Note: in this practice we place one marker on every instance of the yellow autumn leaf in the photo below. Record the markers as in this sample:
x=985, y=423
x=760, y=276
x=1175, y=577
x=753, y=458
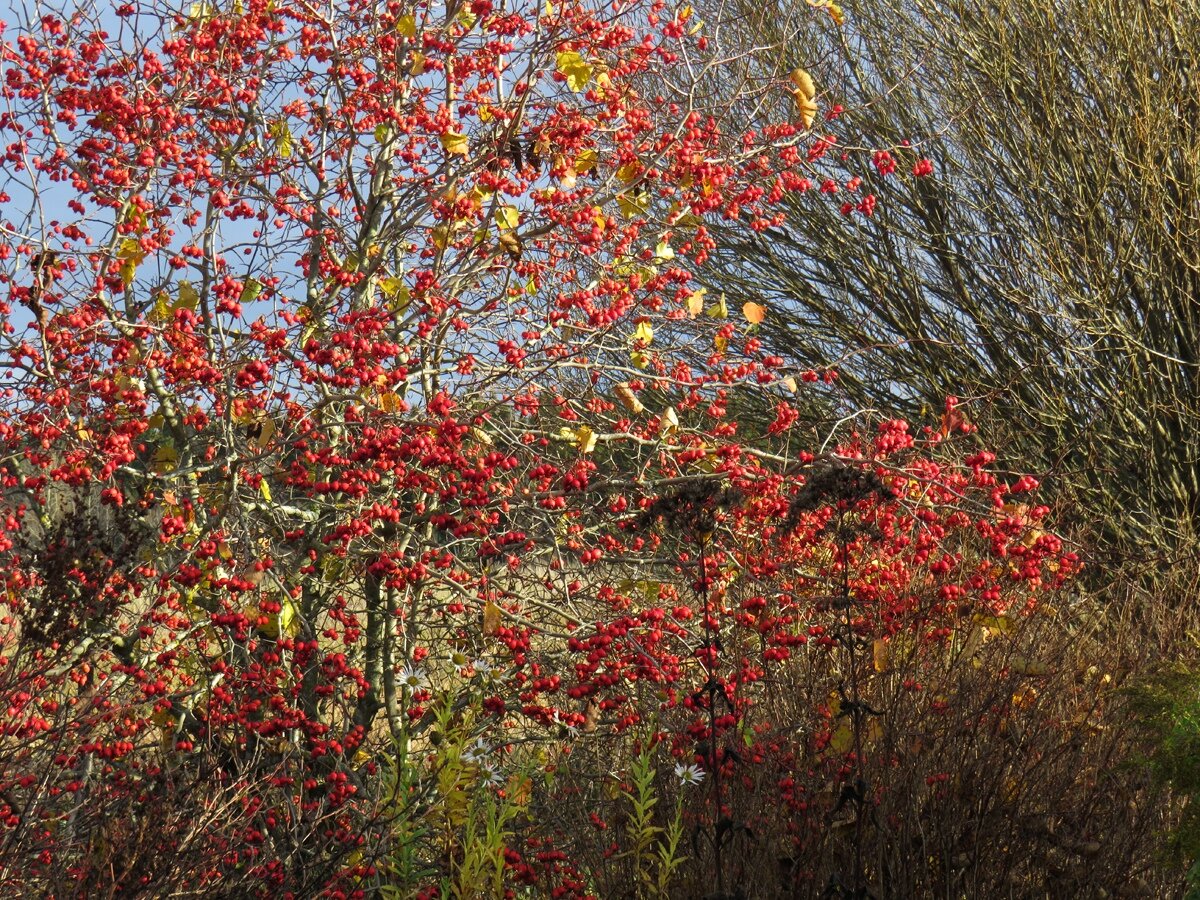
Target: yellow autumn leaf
x=664, y=251
x=695, y=302
x=418, y=64
x=633, y=203
x=835, y=12
x=807, y=109
x=576, y=70
x=998, y=624
x=396, y=291
x=644, y=333
x=629, y=172
x=585, y=439
x=790, y=383
x=585, y=161
x=804, y=83
x=283, y=138
x=260, y=428
x=454, y=143
x=842, y=740
x=669, y=423
x=754, y=313
x=164, y=459
x=161, y=311
x=508, y=217
x=407, y=26
x=282, y=623
x=131, y=256
x=1025, y=666
x=720, y=343
x=264, y=489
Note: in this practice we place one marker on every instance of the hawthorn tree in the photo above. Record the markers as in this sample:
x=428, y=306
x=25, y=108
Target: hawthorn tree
x=363, y=423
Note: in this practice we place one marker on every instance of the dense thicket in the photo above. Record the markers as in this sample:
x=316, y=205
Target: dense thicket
x=1047, y=270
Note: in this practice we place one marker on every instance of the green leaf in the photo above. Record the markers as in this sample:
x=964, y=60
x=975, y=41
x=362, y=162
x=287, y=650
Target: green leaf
x=188, y=298
x=250, y=290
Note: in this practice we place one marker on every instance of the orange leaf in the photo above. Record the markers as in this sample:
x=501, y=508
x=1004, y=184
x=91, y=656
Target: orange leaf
x=628, y=398
x=491, y=618
x=880, y=653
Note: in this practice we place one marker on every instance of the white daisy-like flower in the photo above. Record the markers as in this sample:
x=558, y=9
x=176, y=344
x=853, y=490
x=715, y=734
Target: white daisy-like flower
x=460, y=660
x=476, y=752
x=491, y=776
x=413, y=678
x=689, y=774
x=481, y=667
